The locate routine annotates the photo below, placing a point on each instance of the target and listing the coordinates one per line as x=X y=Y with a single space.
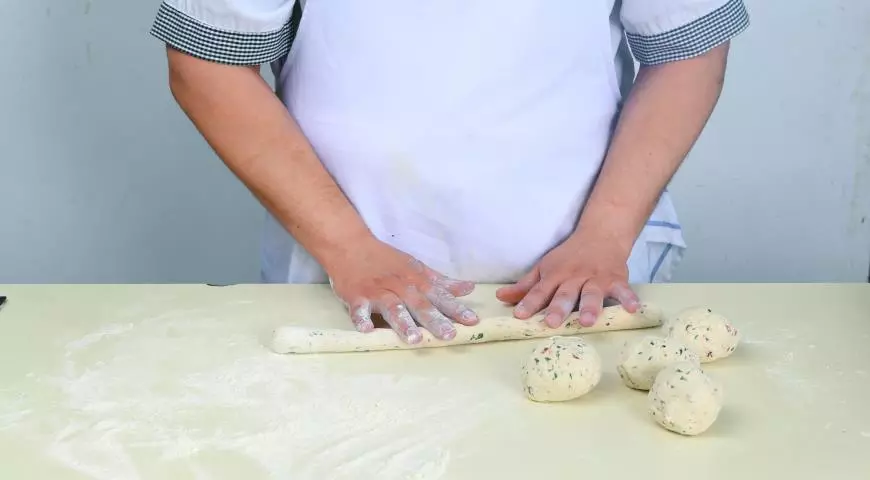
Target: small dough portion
x=707 y=333
x=684 y=399
x=641 y=361
x=560 y=369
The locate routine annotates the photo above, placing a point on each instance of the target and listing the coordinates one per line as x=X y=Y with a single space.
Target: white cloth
x=467 y=133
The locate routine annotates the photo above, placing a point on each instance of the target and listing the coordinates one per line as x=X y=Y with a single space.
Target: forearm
x=660 y=122
x=250 y=130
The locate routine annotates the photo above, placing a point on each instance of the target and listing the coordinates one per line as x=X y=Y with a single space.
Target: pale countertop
x=172 y=382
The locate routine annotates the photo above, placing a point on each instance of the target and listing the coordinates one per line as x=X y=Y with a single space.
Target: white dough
x=641 y=361
x=561 y=368
x=707 y=333
x=684 y=399
x=292 y=339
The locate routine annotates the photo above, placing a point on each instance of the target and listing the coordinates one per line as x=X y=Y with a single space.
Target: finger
x=562 y=305
x=399 y=319
x=625 y=296
x=535 y=300
x=512 y=294
x=447 y=304
x=457 y=288
x=428 y=316
x=361 y=315
x=591 y=303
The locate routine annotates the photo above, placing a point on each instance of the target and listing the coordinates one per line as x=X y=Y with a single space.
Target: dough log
x=297 y=340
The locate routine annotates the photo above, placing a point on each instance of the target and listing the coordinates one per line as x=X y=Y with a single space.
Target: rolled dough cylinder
x=707 y=333
x=561 y=368
x=684 y=399
x=641 y=361
x=290 y=339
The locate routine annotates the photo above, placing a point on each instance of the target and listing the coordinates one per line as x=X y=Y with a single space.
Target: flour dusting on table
x=177 y=390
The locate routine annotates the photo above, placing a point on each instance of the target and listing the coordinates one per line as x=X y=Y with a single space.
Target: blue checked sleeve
x=661 y=31
x=236 y=32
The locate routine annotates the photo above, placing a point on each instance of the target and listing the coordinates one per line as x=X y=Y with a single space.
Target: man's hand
x=375 y=278
x=580 y=270
x=261 y=143
x=663 y=116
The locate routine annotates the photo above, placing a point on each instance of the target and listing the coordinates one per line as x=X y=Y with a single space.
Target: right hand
x=373 y=277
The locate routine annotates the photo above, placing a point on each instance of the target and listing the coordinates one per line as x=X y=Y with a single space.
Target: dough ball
x=707 y=333
x=561 y=368
x=684 y=399
x=641 y=361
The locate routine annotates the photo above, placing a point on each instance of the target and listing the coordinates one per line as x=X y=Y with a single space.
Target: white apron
x=466 y=133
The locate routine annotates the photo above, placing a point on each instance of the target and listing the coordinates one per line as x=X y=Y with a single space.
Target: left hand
x=581 y=270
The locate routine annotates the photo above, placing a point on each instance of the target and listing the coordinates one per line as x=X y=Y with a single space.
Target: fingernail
x=448 y=333
x=520 y=310
x=365 y=327
x=587 y=319
x=470 y=316
x=414 y=335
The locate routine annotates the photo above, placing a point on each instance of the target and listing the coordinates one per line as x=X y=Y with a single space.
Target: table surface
x=173 y=382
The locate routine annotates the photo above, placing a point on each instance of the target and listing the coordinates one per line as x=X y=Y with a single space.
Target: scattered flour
x=786 y=376
x=188 y=391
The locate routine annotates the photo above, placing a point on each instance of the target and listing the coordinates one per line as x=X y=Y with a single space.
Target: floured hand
x=375 y=278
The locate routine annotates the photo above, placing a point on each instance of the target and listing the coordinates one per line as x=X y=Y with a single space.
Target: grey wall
x=778 y=188
x=102 y=178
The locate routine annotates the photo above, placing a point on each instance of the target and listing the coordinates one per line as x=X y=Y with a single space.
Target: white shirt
x=467 y=133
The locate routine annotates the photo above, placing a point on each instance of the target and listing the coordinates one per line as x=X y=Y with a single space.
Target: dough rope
x=300 y=340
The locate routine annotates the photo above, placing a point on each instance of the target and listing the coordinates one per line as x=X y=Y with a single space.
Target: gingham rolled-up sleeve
x=236 y=32
x=661 y=31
